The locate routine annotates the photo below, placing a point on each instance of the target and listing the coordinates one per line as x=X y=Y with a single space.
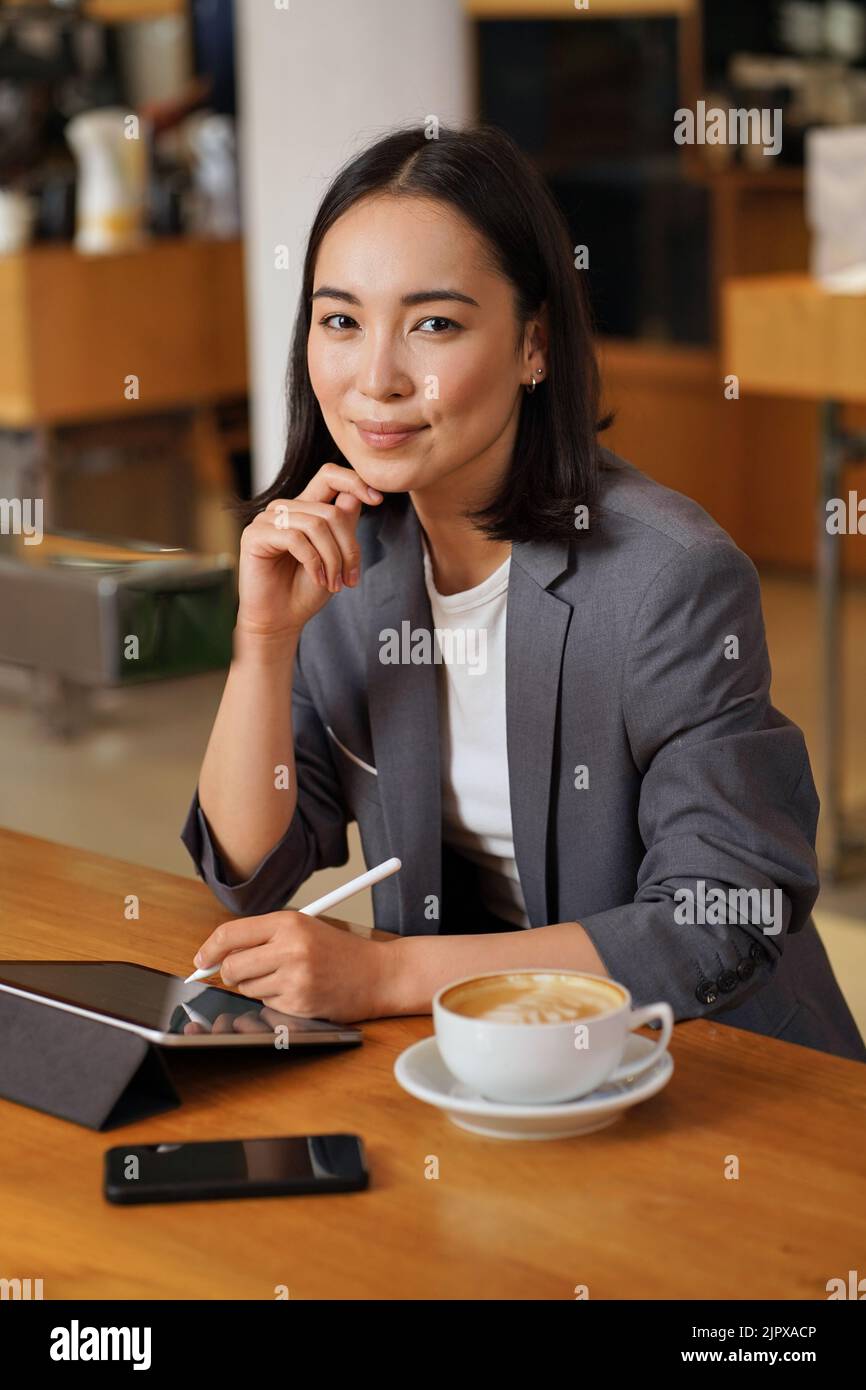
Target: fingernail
x=354 y=576
x=196 y=960
x=338 y=582
x=375 y=494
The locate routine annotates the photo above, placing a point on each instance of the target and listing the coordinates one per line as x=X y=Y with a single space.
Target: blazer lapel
x=404 y=713
x=404 y=718
x=536 y=628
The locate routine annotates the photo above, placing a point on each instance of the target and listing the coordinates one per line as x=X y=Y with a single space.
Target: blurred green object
x=179 y=631
x=85 y=614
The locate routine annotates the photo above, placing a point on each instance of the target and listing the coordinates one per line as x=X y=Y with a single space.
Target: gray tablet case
x=79 y=1069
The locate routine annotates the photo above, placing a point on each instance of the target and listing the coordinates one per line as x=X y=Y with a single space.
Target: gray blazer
x=620 y=661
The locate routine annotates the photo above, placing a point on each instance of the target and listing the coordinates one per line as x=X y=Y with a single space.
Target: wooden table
x=788 y=336
x=641 y=1210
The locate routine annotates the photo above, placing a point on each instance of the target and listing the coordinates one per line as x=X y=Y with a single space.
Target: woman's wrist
x=409 y=973
x=393 y=975
x=252 y=647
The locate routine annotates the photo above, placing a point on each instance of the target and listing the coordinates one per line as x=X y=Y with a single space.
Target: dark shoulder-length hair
x=483 y=174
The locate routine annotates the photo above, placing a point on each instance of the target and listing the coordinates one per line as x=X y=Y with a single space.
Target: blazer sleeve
x=726 y=792
x=314 y=839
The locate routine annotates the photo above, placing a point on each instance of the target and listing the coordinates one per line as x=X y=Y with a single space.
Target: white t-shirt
x=476 y=804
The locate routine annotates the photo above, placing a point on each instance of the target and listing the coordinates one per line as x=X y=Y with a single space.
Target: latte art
x=534 y=997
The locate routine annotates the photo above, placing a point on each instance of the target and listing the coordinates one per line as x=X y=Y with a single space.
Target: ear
x=535 y=342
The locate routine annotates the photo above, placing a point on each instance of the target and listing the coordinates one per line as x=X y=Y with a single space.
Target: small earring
x=532 y=385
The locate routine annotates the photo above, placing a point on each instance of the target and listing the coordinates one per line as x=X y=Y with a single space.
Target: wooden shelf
x=171 y=313
x=132 y=11
x=108 y=11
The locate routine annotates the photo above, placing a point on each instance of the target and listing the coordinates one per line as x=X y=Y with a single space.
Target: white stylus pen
x=384 y=870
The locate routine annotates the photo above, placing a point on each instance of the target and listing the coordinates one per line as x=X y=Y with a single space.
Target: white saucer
x=421 y=1071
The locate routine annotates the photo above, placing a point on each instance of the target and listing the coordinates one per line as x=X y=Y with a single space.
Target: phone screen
x=235 y=1168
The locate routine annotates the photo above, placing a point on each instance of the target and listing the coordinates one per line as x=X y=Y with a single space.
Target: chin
x=392 y=476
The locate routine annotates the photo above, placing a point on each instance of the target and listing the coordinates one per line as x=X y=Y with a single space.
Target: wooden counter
x=785 y=335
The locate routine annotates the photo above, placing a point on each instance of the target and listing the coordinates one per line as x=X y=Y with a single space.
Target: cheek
x=327 y=369
x=475 y=388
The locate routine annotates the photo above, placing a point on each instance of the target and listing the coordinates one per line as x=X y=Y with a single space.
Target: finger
x=347 y=502
x=341 y=520
x=333 y=478
x=344 y=523
x=319 y=531
x=264 y=986
x=241 y=966
x=349 y=508
x=234 y=936
x=307 y=555
x=264 y=539
x=284 y=506
x=270 y=1016
x=251 y=1023
x=224 y=1023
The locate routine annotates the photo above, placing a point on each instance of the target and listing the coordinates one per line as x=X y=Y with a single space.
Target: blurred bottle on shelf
x=111 y=148
x=214 y=204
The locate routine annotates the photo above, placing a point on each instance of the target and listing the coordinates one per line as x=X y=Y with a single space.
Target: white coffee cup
x=537 y=1062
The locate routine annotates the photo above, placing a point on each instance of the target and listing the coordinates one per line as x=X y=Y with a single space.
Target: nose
x=382 y=370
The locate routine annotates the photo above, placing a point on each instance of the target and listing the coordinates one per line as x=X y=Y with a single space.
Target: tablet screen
x=119 y=989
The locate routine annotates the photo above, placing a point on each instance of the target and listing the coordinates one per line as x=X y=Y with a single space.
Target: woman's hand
x=299 y=551
x=301 y=965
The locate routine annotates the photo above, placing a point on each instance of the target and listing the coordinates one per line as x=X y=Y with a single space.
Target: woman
x=537 y=677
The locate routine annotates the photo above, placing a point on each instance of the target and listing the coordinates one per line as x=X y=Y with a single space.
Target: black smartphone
x=235 y=1168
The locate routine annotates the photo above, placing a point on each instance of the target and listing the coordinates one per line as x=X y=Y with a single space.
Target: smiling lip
x=384 y=434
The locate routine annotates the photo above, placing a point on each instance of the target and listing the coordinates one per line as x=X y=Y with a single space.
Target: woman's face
x=410 y=327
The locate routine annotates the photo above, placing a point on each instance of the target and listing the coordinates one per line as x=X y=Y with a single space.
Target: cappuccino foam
x=536 y=997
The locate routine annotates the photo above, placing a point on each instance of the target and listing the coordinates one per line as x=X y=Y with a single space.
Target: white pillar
x=317 y=82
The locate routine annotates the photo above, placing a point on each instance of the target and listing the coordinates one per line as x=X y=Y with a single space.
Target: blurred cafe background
x=160 y=163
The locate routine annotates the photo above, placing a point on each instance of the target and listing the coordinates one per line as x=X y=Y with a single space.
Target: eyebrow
x=409 y=300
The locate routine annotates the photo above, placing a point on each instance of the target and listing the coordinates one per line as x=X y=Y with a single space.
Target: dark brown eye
x=445 y=324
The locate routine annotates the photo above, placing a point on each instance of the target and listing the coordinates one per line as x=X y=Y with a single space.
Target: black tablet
x=162 y=1008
